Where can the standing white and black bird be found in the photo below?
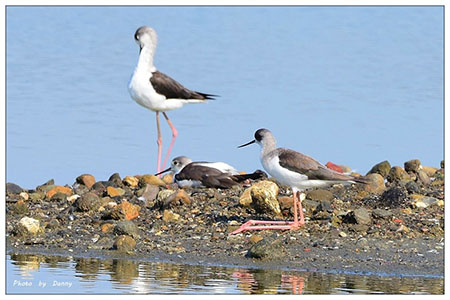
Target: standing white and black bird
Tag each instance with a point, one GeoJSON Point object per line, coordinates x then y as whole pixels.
{"type": "Point", "coordinates": [157, 91]}
{"type": "Point", "coordinates": [293, 169]}
{"type": "Point", "coordinates": [207, 174]}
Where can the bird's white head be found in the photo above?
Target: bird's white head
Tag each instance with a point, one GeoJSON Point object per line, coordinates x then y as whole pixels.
{"type": "Point", "coordinates": [146, 37]}
{"type": "Point", "coordinates": [264, 138]}
{"type": "Point", "coordinates": [178, 163]}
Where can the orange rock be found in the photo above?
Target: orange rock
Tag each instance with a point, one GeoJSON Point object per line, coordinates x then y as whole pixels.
{"type": "Point", "coordinates": [114, 192]}
{"type": "Point", "coordinates": [168, 178]}
{"type": "Point", "coordinates": [107, 227]}
{"type": "Point", "coordinates": [126, 210]}
{"type": "Point", "coordinates": [183, 197]}
{"type": "Point", "coordinates": [59, 189]}
{"type": "Point", "coordinates": [131, 181]}
{"type": "Point", "coordinates": [152, 179]}
{"type": "Point", "coordinates": [87, 179]}
{"type": "Point", "coordinates": [286, 202]}
{"type": "Point", "coordinates": [334, 167]}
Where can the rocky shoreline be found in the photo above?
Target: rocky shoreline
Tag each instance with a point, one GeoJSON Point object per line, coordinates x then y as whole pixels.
{"type": "Point", "coordinates": [392, 226]}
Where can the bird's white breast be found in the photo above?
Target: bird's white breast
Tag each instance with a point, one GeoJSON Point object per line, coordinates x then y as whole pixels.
{"type": "Point", "coordinates": [143, 92]}
{"type": "Point", "coordinates": [188, 183]}
{"type": "Point", "coordinates": [282, 175]}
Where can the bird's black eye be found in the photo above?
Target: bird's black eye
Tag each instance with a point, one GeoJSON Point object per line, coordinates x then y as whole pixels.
{"type": "Point", "coordinates": [259, 134]}
{"type": "Point", "coordinates": [136, 36]}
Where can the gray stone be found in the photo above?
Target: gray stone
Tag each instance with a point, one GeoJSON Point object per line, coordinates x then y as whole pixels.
{"type": "Point", "coordinates": [28, 226]}
{"type": "Point", "coordinates": [269, 247]}
{"type": "Point", "coordinates": [105, 243]}
{"type": "Point", "coordinates": [397, 174]}
{"type": "Point", "coordinates": [362, 216]}
{"type": "Point", "coordinates": [124, 243]}
{"type": "Point", "coordinates": [413, 166]}
{"type": "Point", "coordinates": [325, 205]}
{"type": "Point", "coordinates": [381, 213]}
{"type": "Point", "coordinates": [423, 177]}
{"type": "Point", "coordinates": [87, 202]}
{"type": "Point", "coordinates": [381, 168]}
{"type": "Point", "coordinates": [310, 204]}
{"type": "Point", "coordinates": [394, 197]}
{"type": "Point", "coordinates": [127, 228]}
{"type": "Point", "coordinates": [12, 188]}
{"type": "Point", "coordinates": [412, 187]}
{"type": "Point", "coordinates": [149, 192]}
{"type": "Point", "coordinates": [319, 195]}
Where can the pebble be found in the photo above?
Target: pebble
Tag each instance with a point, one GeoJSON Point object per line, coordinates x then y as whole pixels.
{"type": "Point", "coordinates": [269, 247]}
{"type": "Point", "coordinates": [342, 234]}
{"type": "Point", "coordinates": [37, 196]}
{"type": "Point", "coordinates": [20, 208]}
{"type": "Point", "coordinates": [255, 238]}
{"type": "Point", "coordinates": [125, 210]}
{"type": "Point", "coordinates": [397, 174]}
{"type": "Point", "coordinates": [124, 243]}
{"type": "Point", "coordinates": [107, 227]}
{"type": "Point", "coordinates": [168, 178]}
{"type": "Point", "coordinates": [425, 202]}
{"type": "Point", "coordinates": [127, 228]}
{"type": "Point", "coordinates": [114, 192]}
{"type": "Point", "coordinates": [375, 183]}
{"type": "Point", "coordinates": [116, 179]}
{"type": "Point", "coordinates": [310, 204]}
{"type": "Point", "coordinates": [429, 170]}
{"type": "Point", "coordinates": [104, 243]}
{"type": "Point", "coordinates": [131, 181]}
{"type": "Point", "coordinates": [334, 167]}
{"type": "Point", "coordinates": [28, 226]}
{"type": "Point", "coordinates": [412, 187]}
{"type": "Point", "coordinates": [177, 198]}
{"type": "Point", "coordinates": [86, 179]}
{"type": "Point", "coordinates": [262, 196]}
{"type": "Point", "coordinates": [319, 194]}
{"type": "Point", "coordinates": [381, 213]}
{"type": "Point", "coordinates": [170, 217]}
{"type": "Point", "coordinates": [381, 168]}
{"type": "Point", "coordinates": [362, 216]}
{"type": "Point", "coordinates": [24, 196]}
{"type": "Point", "coordinates": [423, 177]}
{"type": "Point", "coordinates": [148, 192]}
{"type": "Point", "coordinates": [58, 189]}
{"type": "Point", "coordinates": [393, 197]}
{"type": "Point", "coordinates": [12, 188]}
{"type": "Point", "coordinates": [152, 179]}
{"type": "Point", "coordinates": [163, 195]}
{"type": "Point", "coordinates": [87, 202]}
{"type": "Point", "coordinates": [413, 166]}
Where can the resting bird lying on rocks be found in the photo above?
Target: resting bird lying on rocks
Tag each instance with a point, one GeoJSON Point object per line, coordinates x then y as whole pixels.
{"type": "Point", "coordinates": [293, 169]}
{"type": "Point", "coordinates": [207, 174]}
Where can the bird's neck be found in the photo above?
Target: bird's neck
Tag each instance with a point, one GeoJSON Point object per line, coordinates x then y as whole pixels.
{"type": "Point", "coordinates": [268, 146]}
{"type": "Point", "coordinates": [145, 63]}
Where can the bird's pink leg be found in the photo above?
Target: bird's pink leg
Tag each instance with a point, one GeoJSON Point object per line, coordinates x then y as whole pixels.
{"type": "Point", "coordinates": [159, 142]}
{"type": "Point", "coordinates": [280, 225]}
{"type": "Point", "coordinates": [294, 196]}
{"type": "Point", "coordinates": [174, 136]}
{"type": "Point", "coordinates": [300, 209]}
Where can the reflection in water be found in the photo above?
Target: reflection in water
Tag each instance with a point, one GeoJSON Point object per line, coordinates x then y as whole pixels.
{"type": "Point", "coordinates": [93, 275]}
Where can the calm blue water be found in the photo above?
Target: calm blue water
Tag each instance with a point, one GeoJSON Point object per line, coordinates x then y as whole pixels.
{"type": "Point", "coordinates": [38, 274]}
{"type": "Point", "coordinates": [352, 85]}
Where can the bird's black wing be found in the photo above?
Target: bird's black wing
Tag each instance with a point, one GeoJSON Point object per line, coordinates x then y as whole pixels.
{"type": "Point", "coordinates": [172, 89]}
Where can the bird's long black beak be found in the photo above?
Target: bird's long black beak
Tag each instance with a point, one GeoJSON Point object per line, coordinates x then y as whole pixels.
{"type": "Point", "coordinates": [166, 170]}
{"type": "Point", "coordinates": [247, 144]}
